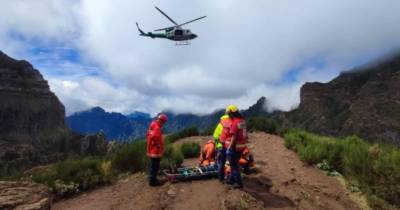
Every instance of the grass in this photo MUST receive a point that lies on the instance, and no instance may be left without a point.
(374, 168)
(72, 175)
(79, 174)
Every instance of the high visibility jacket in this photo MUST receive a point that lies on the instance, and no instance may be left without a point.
(245, 157)
(155, 142)
(207, 154)
(238, 129)
(218, 132)
(225, 136)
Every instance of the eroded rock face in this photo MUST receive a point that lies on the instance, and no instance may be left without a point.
(32, 121)
(365, 102)
(24, 196)
(28, 108)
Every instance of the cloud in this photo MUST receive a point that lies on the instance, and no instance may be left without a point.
(88, 92)
(245, 50)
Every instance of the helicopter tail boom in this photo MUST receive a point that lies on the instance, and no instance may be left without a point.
(150, 34)
(140, 30)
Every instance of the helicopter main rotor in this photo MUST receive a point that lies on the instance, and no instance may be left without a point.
(176, 24)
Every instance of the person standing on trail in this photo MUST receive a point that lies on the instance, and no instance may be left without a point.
(221, 134)
(155, 147)
(217, 138)
(235, 145)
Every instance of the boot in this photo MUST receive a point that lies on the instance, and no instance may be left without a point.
(154, 183)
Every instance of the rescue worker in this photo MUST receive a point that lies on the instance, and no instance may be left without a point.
(221, 134)
(246, 160)
(217, 135)
(207, 154)
(235, 145)
(155, 147)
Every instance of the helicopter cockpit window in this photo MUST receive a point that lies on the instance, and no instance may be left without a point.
(178, 32)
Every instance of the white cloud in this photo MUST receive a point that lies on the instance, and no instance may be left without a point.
(243, 50)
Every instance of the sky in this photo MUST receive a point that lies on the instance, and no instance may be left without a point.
(91, 54)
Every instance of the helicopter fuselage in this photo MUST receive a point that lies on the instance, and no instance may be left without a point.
(180, 34)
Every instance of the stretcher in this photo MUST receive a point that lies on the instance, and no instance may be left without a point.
(191, 173)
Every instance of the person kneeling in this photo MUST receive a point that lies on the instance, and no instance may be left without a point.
(207, 154)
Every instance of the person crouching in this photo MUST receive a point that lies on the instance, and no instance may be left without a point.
(207, 154)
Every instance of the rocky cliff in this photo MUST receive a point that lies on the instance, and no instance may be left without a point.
(364, 102)
(28, 108)
(32, 128)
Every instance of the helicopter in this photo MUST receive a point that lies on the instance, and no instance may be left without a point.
(175, 33)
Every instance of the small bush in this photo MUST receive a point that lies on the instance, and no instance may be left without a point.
(375, 168)
(262, 124)
(85, 172)
(190, 150)
(131, 157)
(72, 175)
(172, 157)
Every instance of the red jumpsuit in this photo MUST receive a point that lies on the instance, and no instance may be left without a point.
(155, 142)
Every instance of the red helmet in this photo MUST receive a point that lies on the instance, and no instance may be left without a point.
(163, 117)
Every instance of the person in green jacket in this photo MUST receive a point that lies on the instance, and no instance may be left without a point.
(217, 133)
(219, 138)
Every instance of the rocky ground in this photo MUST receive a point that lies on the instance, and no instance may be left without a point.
(24, 196)
(282, 181)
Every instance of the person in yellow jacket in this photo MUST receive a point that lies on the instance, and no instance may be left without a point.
(221, 135)
(218, 132)
(219, 147)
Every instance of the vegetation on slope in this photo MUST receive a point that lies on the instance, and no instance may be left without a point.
(83, 173)
(373, 168)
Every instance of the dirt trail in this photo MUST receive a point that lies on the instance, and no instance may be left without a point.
(282, 182)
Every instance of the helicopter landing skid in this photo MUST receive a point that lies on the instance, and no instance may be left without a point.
(182, 43)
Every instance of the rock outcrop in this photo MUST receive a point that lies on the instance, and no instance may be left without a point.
(32, 120)
(28, 108)
(364, 102)
(24, 196)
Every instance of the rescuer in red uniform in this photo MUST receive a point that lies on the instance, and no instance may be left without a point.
(155, 147)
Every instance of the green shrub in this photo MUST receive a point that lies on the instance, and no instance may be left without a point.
(172, 157)
(190, 149)
(131, 157)
(375, 168)
(72, 175)
(85, 172)
(262, 124)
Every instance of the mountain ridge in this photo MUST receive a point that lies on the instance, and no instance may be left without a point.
(364, 101)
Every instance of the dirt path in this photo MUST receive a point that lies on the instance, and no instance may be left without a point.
(282, 182)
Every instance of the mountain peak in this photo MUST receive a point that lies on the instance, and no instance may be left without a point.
(258, 109)
(97, 109)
